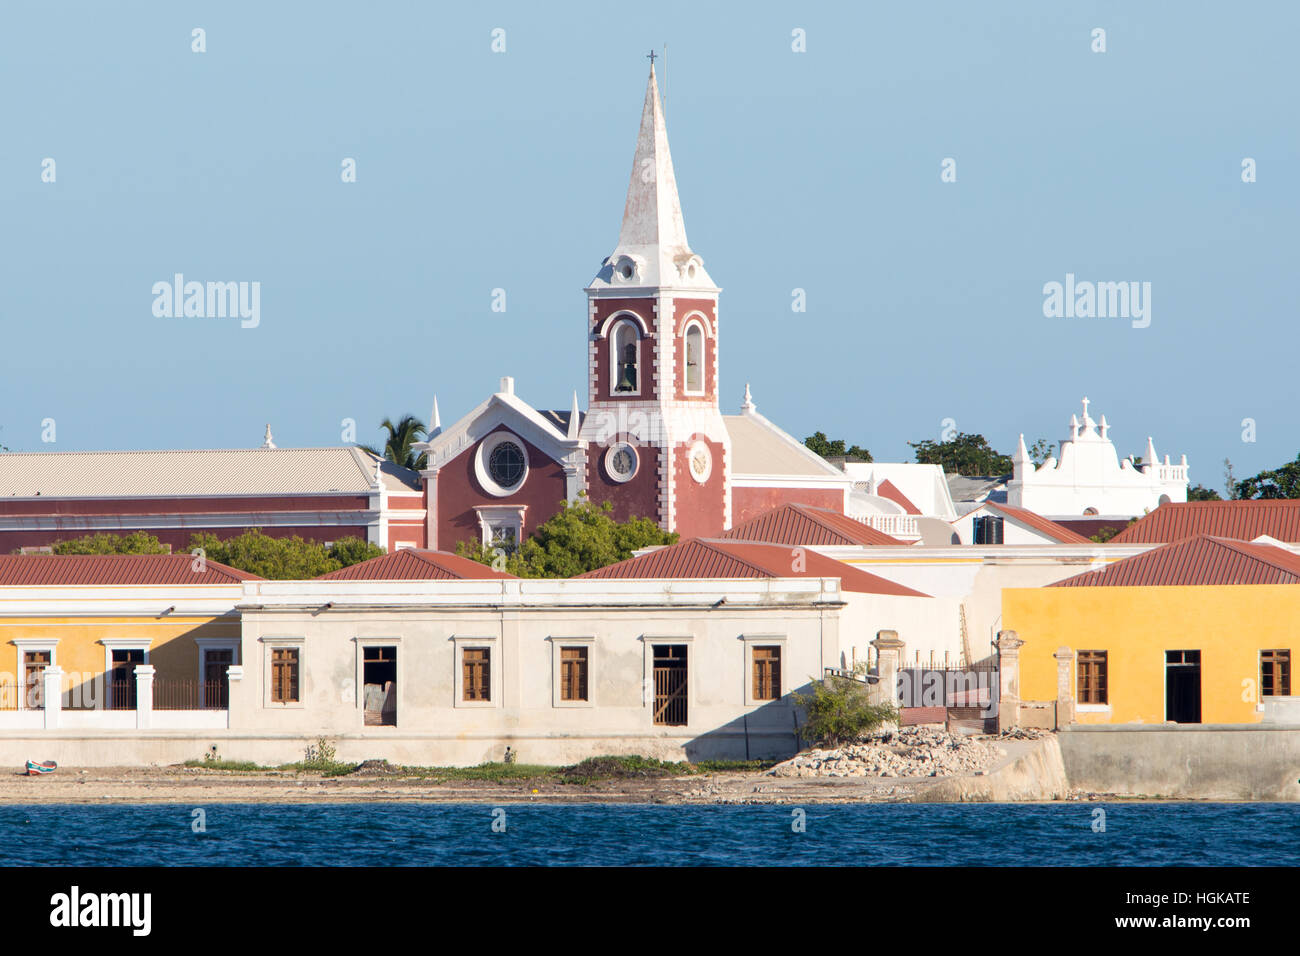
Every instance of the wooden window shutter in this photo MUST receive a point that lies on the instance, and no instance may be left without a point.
(767, 673)
(573, 673)
(476, 674)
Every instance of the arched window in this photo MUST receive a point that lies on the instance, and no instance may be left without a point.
(626, 348)
(694, 359)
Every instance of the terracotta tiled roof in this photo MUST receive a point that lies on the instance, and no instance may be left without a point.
(410, 564)
(887, 489)
(1243, 520)
(1203, 560)
(1036, 521)
(806, 525)
(716, 558)
(42, 570)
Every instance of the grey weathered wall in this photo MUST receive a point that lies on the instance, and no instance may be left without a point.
(1205, 762)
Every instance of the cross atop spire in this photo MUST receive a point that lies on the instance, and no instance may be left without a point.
(651, 55)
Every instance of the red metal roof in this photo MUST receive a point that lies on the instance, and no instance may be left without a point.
(716, 558)
(887, 489)
(410, 564)
(42, 570)
(1203, 560)
(795, 525)
(1243, 520)
(1036, 521)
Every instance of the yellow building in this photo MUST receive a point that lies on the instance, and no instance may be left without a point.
(1199, 631)
(93, 620)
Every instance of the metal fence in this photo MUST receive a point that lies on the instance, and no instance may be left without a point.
(18, 695)
(190, 695)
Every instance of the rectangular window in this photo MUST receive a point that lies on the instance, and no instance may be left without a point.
(573, 673)
(1275, 673)
(33, 686)
(284, 675)
(767, 673)
(476, 680)
(1092, 677)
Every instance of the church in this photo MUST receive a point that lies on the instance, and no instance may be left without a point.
(653, 440)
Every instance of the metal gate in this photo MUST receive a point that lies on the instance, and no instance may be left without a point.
(670, 685)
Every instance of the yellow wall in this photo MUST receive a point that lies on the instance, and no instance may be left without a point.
(1136, 625)
(173, 652)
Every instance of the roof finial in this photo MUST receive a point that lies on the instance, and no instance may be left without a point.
(749, 401)
(435, 420)
(572, 433)
(266, 442)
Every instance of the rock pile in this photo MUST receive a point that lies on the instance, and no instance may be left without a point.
(910, 752)
(1023, 733)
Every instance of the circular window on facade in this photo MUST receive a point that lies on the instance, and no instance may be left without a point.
(501, 464)
(621, 462)
(701, 462)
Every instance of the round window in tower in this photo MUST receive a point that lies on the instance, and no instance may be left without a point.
(621, 462)
(501, 464)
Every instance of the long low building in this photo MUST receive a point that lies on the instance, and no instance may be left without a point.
(425, 658)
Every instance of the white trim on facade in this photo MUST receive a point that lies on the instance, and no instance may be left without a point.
(557, 645)
(273, 643)
(463, 642)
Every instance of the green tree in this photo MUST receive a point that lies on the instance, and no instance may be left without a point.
(840, 710)
(579, 537)
(1040, 451)
(282, 559)
(1108, 532)
(963, 455)
(1229, 480)
(137, 542)
(1280, 482)
(829, 448)
(1201, 493)
(349, 551)
(397, 447)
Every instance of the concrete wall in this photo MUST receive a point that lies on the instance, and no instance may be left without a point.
(1204, 762)
(927, 626)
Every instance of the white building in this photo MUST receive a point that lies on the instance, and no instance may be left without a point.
(1089, 477)
(906, 500)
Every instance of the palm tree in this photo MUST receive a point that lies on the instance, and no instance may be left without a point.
(401, 437)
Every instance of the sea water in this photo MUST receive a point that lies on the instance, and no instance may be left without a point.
(378, 834)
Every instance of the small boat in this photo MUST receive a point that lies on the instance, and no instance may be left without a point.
(45, 766)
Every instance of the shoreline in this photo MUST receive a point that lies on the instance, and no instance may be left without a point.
(199, 786)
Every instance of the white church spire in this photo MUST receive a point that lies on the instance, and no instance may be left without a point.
(652, 248)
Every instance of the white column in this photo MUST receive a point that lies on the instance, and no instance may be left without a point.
(53, 691)
(143, 696)
(234, 674)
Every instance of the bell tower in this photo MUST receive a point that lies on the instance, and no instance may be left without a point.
(656, 443)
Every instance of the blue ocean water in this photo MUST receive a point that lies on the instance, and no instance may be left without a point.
(1163, 834)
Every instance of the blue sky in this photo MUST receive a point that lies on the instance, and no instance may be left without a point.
(817, 170)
